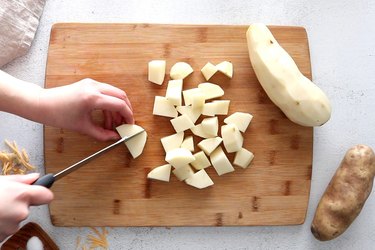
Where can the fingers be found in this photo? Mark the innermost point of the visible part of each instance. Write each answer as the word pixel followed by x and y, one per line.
pixel 110 90
pixel 112 119
pixel 115 100
pixel 36 195
pixel 117 119
pixel 39 195
pixel 16 195
pixel 101 134
pixel 108 121
pixel 27 179
pixel 110 103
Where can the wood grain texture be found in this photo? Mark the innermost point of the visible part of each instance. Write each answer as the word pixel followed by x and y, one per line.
pixel 19 240
pixel 113 190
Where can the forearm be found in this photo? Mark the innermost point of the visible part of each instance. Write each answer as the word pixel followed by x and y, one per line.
pixel 19 97
pixel 69 106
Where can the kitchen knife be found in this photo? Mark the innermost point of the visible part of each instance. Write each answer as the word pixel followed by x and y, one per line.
pixel 48 179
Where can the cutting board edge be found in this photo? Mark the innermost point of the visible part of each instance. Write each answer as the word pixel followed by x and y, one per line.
pixel 182 25
pixel 297 223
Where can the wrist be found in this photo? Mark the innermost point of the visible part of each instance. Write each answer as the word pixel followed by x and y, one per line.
pixel 19 97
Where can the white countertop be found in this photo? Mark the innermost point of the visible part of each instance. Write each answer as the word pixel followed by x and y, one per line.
pixel 342 46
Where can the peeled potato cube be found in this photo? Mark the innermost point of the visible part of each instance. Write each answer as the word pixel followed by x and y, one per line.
pixel 183 172
pixel 226 68
pixel 218 107
pixel 209 109
pixel 222 107
pixel 174 92
pixel 180 70
pixel 188 95
pixel 210 144
pixel 243 158
pixel 197 100
pixel 189 111
pixel 135 145
pixel 188 143
pixel 172 141
pixel 208 70
pixel 220 162
pixel 179 157
pixel 210 90
pixel 182 123
pixel 156 71
pixel 240 119
pixel 232 138
pixel 163 107
pixel 199 180
pixel 198 131
pixel 161 173
pixel 210 125
pixel 201 161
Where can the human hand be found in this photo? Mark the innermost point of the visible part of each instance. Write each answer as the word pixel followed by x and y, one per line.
pixel 16 195
pixel 71 107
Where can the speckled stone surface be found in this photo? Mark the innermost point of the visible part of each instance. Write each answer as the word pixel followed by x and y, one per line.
pixel 341 37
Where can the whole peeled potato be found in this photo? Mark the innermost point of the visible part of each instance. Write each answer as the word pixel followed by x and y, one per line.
pixel 346 194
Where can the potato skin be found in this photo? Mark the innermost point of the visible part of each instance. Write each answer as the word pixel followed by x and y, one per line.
pixel 346 193
pixel 298 97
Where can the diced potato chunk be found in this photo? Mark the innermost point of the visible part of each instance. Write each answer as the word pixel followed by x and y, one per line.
pixel 188 143
pixel 191 104
pixel 226 68
pixel 156 71
pixel 183 172
pixel 211 90
pixel 174 92
pixel 209 109
pixel 180 70
pixel 243 158
pixel 220 162
pixel 201 161
pixel 182 123
pixel 172 141
pixel 163 107
pixel 161 173
pixel 136 144
pixel 179 157
pixel 199 131
pixel 232 138
pixel 210 125
pixel 222 106
pixel 208 70
pixel 193 114
pixel 210 144
pixel 217 107
pixel 199 180
pixel 188 95
pixel 240 119
pixel 197 100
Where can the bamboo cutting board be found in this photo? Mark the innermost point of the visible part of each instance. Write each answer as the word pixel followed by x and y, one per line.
pixel 113 190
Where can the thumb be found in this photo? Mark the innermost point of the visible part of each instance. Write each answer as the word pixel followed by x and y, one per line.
pixel 101 133
pixel 27 179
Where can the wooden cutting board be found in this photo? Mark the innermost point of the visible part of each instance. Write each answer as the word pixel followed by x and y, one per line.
pixel 19 240
pixel 114 191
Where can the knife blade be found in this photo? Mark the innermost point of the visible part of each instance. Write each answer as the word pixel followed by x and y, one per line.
pixel 48 179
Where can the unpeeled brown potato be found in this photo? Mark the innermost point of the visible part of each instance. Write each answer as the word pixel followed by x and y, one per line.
pixel 346 194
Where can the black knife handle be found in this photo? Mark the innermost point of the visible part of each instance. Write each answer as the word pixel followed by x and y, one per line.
pixel 45 181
